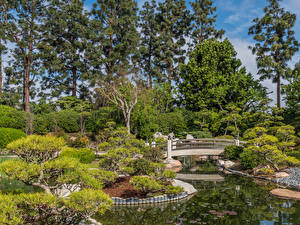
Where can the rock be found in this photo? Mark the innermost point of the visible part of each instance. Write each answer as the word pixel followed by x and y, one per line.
pixel 194 169
pixel 66 190
pixel 281 175
pixel 172 164
pixel 285 193
pixel 160 135
pixel 189 137
pixel 200 158
pixel 137 156
pixel 186 186
pixel 225 163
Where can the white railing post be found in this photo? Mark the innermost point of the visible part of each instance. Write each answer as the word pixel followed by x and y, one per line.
pixel 153 144
pixel 169 152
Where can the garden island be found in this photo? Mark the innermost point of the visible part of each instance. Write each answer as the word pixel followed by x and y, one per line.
pixel 142 112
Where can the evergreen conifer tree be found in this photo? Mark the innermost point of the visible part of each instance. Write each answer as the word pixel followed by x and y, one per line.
pixel 275 43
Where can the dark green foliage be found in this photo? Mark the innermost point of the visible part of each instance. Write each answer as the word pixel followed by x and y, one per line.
pixel 249 159
pixel 275 43
pixel 68 120
pixel 195 134
pixel 44 123
pixel 11 118
pixel 153 154
pixel 213 78
pixel 232 152
pixel 84 155
pixel 8 135
pixel 172 122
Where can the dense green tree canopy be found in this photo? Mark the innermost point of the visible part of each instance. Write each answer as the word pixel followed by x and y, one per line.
pixel 213 78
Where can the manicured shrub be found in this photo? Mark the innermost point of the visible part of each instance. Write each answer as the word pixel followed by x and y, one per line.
pixel 233 151
pixel 249 159
pixel 37 148
pixel 172 190
pixel 145 184
pixel 11 118
pixel 154 154
pixel 8 135
pixel 84 155
pixel 143 167
pixel 68 120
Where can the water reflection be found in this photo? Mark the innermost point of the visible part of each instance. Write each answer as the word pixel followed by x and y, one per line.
pixel 235 201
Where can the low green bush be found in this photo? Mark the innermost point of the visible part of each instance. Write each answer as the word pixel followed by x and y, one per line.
pixel 233 152
pixel 169 175
pixel 84 155
pixel 225 137
pixel 8 135
pixel 249 159
pixel 172 190
pixel 11 118
pixel 145 184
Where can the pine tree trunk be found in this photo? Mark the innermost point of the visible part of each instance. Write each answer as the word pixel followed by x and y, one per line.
pixel 74 87
pixel 278 91
pixel 27 85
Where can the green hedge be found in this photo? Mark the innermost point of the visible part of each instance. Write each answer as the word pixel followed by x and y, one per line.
pixel 68 120
pixel 11 118
pixel 8 135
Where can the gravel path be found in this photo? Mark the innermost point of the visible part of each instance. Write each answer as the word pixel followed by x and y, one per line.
pixel 293 180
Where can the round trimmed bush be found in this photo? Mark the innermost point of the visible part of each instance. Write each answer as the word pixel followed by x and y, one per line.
pixel 11 118
pixel 249 159
pixel 8 135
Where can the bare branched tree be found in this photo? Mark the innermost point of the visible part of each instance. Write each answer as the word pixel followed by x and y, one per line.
pixel 123 96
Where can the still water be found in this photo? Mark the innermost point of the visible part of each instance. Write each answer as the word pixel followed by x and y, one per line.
pixel 234 201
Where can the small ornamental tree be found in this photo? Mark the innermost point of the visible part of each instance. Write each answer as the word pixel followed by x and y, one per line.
pixel 269 148
pixel 39 165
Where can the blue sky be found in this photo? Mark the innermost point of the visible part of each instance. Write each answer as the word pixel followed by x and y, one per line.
pixel 235 17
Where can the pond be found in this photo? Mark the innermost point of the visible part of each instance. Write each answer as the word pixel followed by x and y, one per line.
pixel 236 200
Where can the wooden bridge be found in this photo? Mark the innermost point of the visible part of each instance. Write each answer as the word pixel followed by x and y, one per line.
pixel 200 147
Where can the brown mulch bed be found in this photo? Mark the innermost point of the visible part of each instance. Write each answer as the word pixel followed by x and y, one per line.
pixel 123 189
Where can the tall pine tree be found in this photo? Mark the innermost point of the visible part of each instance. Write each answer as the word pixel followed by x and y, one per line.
pixel 66 38
pixel 275 43
pixel 203 22
pixel 174 25
pixel 22 22
pixel 114 38
pixel 149 41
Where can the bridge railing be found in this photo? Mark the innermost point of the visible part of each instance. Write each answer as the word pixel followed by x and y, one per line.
pixel 204 143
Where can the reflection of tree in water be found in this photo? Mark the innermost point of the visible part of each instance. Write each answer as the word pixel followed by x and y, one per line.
pixel 142 215
pixel 235 201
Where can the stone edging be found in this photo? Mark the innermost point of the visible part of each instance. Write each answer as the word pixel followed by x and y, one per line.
pixel 152 200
